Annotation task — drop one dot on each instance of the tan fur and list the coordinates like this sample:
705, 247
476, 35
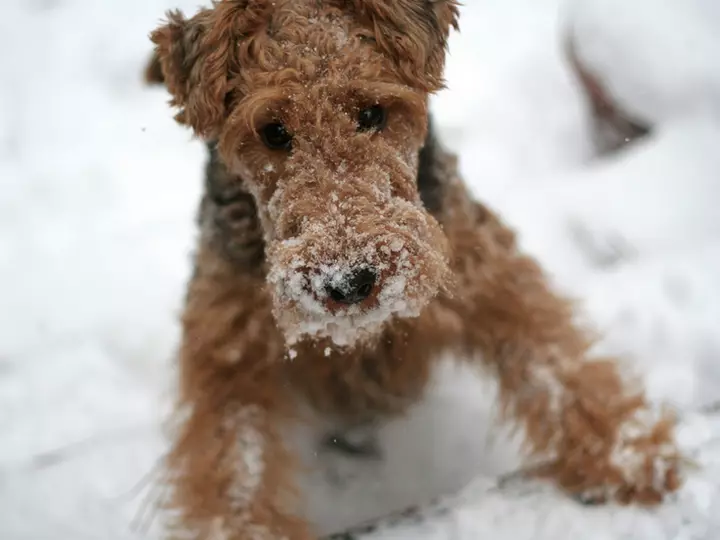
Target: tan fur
243, 63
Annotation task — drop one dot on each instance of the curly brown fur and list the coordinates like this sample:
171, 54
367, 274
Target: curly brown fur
252, 353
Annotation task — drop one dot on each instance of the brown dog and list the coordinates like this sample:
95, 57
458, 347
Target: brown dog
341, 255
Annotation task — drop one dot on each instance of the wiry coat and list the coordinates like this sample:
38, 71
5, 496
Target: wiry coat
245, 366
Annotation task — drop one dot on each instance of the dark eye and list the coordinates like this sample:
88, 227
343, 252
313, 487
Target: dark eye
372, 118
275, 136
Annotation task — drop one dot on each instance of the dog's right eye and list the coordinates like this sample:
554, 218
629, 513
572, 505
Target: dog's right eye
276, 137
372, 119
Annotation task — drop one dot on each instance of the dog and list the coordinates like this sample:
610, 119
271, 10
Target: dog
341, 254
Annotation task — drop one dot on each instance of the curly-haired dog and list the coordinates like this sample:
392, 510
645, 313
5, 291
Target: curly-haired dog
341, 255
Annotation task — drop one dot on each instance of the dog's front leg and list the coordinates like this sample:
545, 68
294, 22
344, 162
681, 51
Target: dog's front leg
229, 474
594, 432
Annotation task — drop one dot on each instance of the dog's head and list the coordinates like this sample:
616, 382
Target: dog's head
320, 106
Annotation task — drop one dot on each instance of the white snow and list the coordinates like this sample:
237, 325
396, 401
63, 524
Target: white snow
455, 420
658, 58
98, 189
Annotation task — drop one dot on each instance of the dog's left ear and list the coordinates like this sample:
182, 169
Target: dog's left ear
415, 34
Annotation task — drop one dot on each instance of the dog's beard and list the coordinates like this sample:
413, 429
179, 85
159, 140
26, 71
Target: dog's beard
409, 260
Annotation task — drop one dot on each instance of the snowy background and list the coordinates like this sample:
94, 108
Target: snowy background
98, 189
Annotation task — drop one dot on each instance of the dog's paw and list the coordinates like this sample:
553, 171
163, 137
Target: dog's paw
649, 471
644, 466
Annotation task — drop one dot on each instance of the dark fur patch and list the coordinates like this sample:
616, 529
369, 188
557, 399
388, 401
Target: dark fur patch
428, 182
228, 214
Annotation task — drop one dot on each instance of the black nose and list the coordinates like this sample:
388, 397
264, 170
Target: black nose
356, 288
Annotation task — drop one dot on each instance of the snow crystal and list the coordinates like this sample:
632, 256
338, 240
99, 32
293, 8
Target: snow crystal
396, 245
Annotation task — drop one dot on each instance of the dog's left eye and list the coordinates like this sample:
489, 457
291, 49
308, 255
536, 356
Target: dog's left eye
372, 118
275, 136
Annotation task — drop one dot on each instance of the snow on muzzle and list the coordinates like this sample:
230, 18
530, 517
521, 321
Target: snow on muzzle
353, 263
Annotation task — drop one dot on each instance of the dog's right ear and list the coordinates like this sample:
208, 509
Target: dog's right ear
415, 34
153, 70
194, 75
198, 57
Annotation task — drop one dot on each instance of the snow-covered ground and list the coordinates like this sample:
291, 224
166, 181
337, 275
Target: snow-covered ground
98, 189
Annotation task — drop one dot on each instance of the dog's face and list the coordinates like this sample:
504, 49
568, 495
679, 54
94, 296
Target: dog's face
320, 108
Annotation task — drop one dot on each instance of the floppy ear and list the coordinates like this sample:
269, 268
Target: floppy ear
197, 85
415, 34
153, 71
198, 57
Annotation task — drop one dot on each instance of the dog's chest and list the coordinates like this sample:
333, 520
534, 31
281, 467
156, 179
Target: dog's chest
353, 474
359, 388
